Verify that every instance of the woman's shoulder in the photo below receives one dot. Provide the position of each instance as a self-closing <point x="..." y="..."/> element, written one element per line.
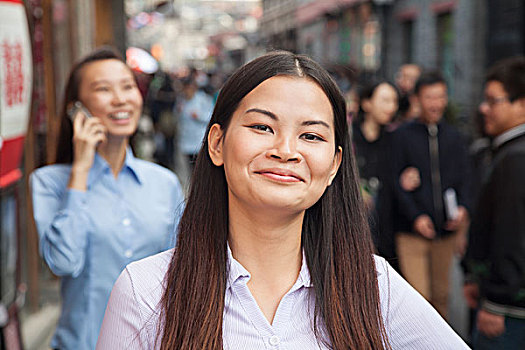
<point x="387" y="277"/>
<point x="140" y="286"/>
<point x="155" y="171"/>
<point x="152" y="268"/>
<point x="133" y="311"/>
<point x="57" y="174"/>
<point x="53" y="170"/>
<point x="410" y="321"/>
<point x="146" y="276"/>
<point x="383" y="270"/>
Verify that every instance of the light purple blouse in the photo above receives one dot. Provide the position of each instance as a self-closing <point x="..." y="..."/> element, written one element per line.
<point x="132" y="314"/>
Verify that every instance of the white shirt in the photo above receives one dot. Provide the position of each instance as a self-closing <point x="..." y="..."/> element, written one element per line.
<point x="131" y="320"/>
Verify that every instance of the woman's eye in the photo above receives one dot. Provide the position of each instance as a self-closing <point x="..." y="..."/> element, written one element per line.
<point x="261" y="127"/>
<point x="102" y="88"/>
<point x="312" y="137"/>
<point x="129" y="86"/>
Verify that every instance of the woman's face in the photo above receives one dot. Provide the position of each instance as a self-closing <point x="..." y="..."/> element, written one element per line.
<point x="279" y="151"/>
<point x="382" y="106"/>
<point x="108" y="90"/>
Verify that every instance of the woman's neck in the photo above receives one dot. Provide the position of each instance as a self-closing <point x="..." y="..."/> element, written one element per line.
<point x="269" y="247"/>
<point x="370" y="129"/>
<point x="114" y="152"/>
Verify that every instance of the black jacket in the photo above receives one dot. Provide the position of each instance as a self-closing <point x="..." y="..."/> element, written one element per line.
<point x="371" y="157"/>
<point x="374" y="170"/>
<point x="496" y="251"/>
<point x="411" y="149"/>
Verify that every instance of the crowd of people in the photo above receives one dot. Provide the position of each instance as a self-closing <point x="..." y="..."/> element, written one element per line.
<point x="294" y="186"/>
<point x="430" y="195"/>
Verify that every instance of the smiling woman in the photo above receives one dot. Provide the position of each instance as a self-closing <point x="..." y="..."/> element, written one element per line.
<point x="100" y="208"/>
<point x="275" y="154"/>
<point x="273" y="247"/>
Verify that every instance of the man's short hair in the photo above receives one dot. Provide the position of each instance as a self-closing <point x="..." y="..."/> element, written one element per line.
<point x="429" y="78"/>
<point x="511" y="73"/>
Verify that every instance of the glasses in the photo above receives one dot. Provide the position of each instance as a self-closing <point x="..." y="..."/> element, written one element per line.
<point x="492" y="101"/>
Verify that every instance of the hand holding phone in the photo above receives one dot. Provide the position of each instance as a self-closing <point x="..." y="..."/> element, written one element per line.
<point x="78" y="107"/>
<point x="88" y="133"/>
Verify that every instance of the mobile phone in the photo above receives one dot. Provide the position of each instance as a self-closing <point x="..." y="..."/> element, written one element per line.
<point x="78" y="107"/>
<point x="451" y="204"/>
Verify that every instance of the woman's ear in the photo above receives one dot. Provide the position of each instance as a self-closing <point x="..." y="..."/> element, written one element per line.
<point x="215" y="138"/>
<point x="336" y="164"/>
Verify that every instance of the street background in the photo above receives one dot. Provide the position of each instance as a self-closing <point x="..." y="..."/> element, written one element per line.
<point x="356" y="40"/>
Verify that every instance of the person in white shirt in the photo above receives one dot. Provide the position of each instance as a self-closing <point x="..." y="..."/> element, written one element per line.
<point x="273" y="248"/>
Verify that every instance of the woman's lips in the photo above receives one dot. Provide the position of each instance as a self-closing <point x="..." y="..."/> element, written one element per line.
<point x="121" y="117"/>
<point x="281" y="175"/>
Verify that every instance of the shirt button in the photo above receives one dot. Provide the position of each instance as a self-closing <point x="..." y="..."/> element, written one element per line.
<point x="128" y="253"/>
<point x="126" y="222"/>
<point x="274" y="340"/>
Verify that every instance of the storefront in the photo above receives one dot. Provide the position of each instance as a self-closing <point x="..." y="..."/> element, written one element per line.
<point x="15" y="102"/>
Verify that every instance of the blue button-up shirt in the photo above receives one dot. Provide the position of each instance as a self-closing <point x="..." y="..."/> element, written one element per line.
<point x="88" y="238"/>
<point x="192" y="131"/>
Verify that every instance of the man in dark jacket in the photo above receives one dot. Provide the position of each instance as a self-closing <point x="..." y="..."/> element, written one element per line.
<point x="427" y="226"/>
<point x="495" y="257"/>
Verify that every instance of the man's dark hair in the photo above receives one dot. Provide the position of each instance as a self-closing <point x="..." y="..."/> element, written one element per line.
<point x="428" y="78"/>
<point x="511" y="73"/>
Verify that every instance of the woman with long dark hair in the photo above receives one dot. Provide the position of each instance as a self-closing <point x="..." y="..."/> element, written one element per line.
<point x="99" y="208"/>
<point x="372" y="143"/>
<point x="273" y="247"/>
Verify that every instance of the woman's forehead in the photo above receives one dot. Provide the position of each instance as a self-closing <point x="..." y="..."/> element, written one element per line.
<point x="107" y="69"/>
<point x="287" y="92"/>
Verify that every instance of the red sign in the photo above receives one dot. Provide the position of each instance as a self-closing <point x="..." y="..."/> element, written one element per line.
<point x="15" y="88"/>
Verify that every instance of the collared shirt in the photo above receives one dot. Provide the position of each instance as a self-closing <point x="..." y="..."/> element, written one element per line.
<point x="132" y="315"/>
<point x="508" y="135"/>
<point x="192" y="130"/>
<point x="88" y="238"/>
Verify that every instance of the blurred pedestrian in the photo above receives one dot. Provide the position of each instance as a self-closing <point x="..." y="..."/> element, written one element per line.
<point x="99" y="208"/>
<point x="406" y="78"/>
<point x="428" y="223"/>
<point x="273" y="248"/>
<point x="161" y="100"/>
<point x="379" y="102"/>
<point x="495" y="257"/>
<point x="371" y="138"/>
<point x="352" y="103"/>
<point x="194" y="110"/>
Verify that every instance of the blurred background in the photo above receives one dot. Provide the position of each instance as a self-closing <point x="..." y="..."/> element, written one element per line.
<point x="355" y="40"/>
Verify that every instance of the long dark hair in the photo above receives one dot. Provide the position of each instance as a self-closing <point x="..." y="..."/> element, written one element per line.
<point x="335" y="236"/>
<point x="65" y="136"/>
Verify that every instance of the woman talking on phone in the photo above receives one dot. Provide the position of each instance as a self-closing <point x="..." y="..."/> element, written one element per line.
<point x="273" y="250"/>
<point x="99" y="208"/>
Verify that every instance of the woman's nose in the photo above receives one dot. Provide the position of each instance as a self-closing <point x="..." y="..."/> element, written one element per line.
<point x="285" y="149"/>
<point x="118" y="97"/>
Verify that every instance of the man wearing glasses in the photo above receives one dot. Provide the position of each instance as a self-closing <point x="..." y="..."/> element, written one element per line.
<point x="496" y="254"/>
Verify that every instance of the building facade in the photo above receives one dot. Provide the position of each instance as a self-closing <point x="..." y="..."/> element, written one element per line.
<point x="374" y="37"/>
<point x="445" y="35"/>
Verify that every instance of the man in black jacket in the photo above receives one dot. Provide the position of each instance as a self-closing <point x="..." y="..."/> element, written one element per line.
<point x="426" y="232"/>
<point x="495" y="257"/>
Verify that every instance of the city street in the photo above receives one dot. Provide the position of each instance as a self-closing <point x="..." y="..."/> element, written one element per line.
<point x="419" y="108"/>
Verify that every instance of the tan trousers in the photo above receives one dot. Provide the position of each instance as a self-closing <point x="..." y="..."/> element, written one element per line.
<point x="425" y="264"/>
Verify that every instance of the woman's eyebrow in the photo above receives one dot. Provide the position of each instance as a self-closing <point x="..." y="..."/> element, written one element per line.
<point x="107" y="81"/>
<point x="262" y="111"/>
<point x="99" y="81"/>
<point x="315" y="122"/>
<point x="274" y="117"/>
